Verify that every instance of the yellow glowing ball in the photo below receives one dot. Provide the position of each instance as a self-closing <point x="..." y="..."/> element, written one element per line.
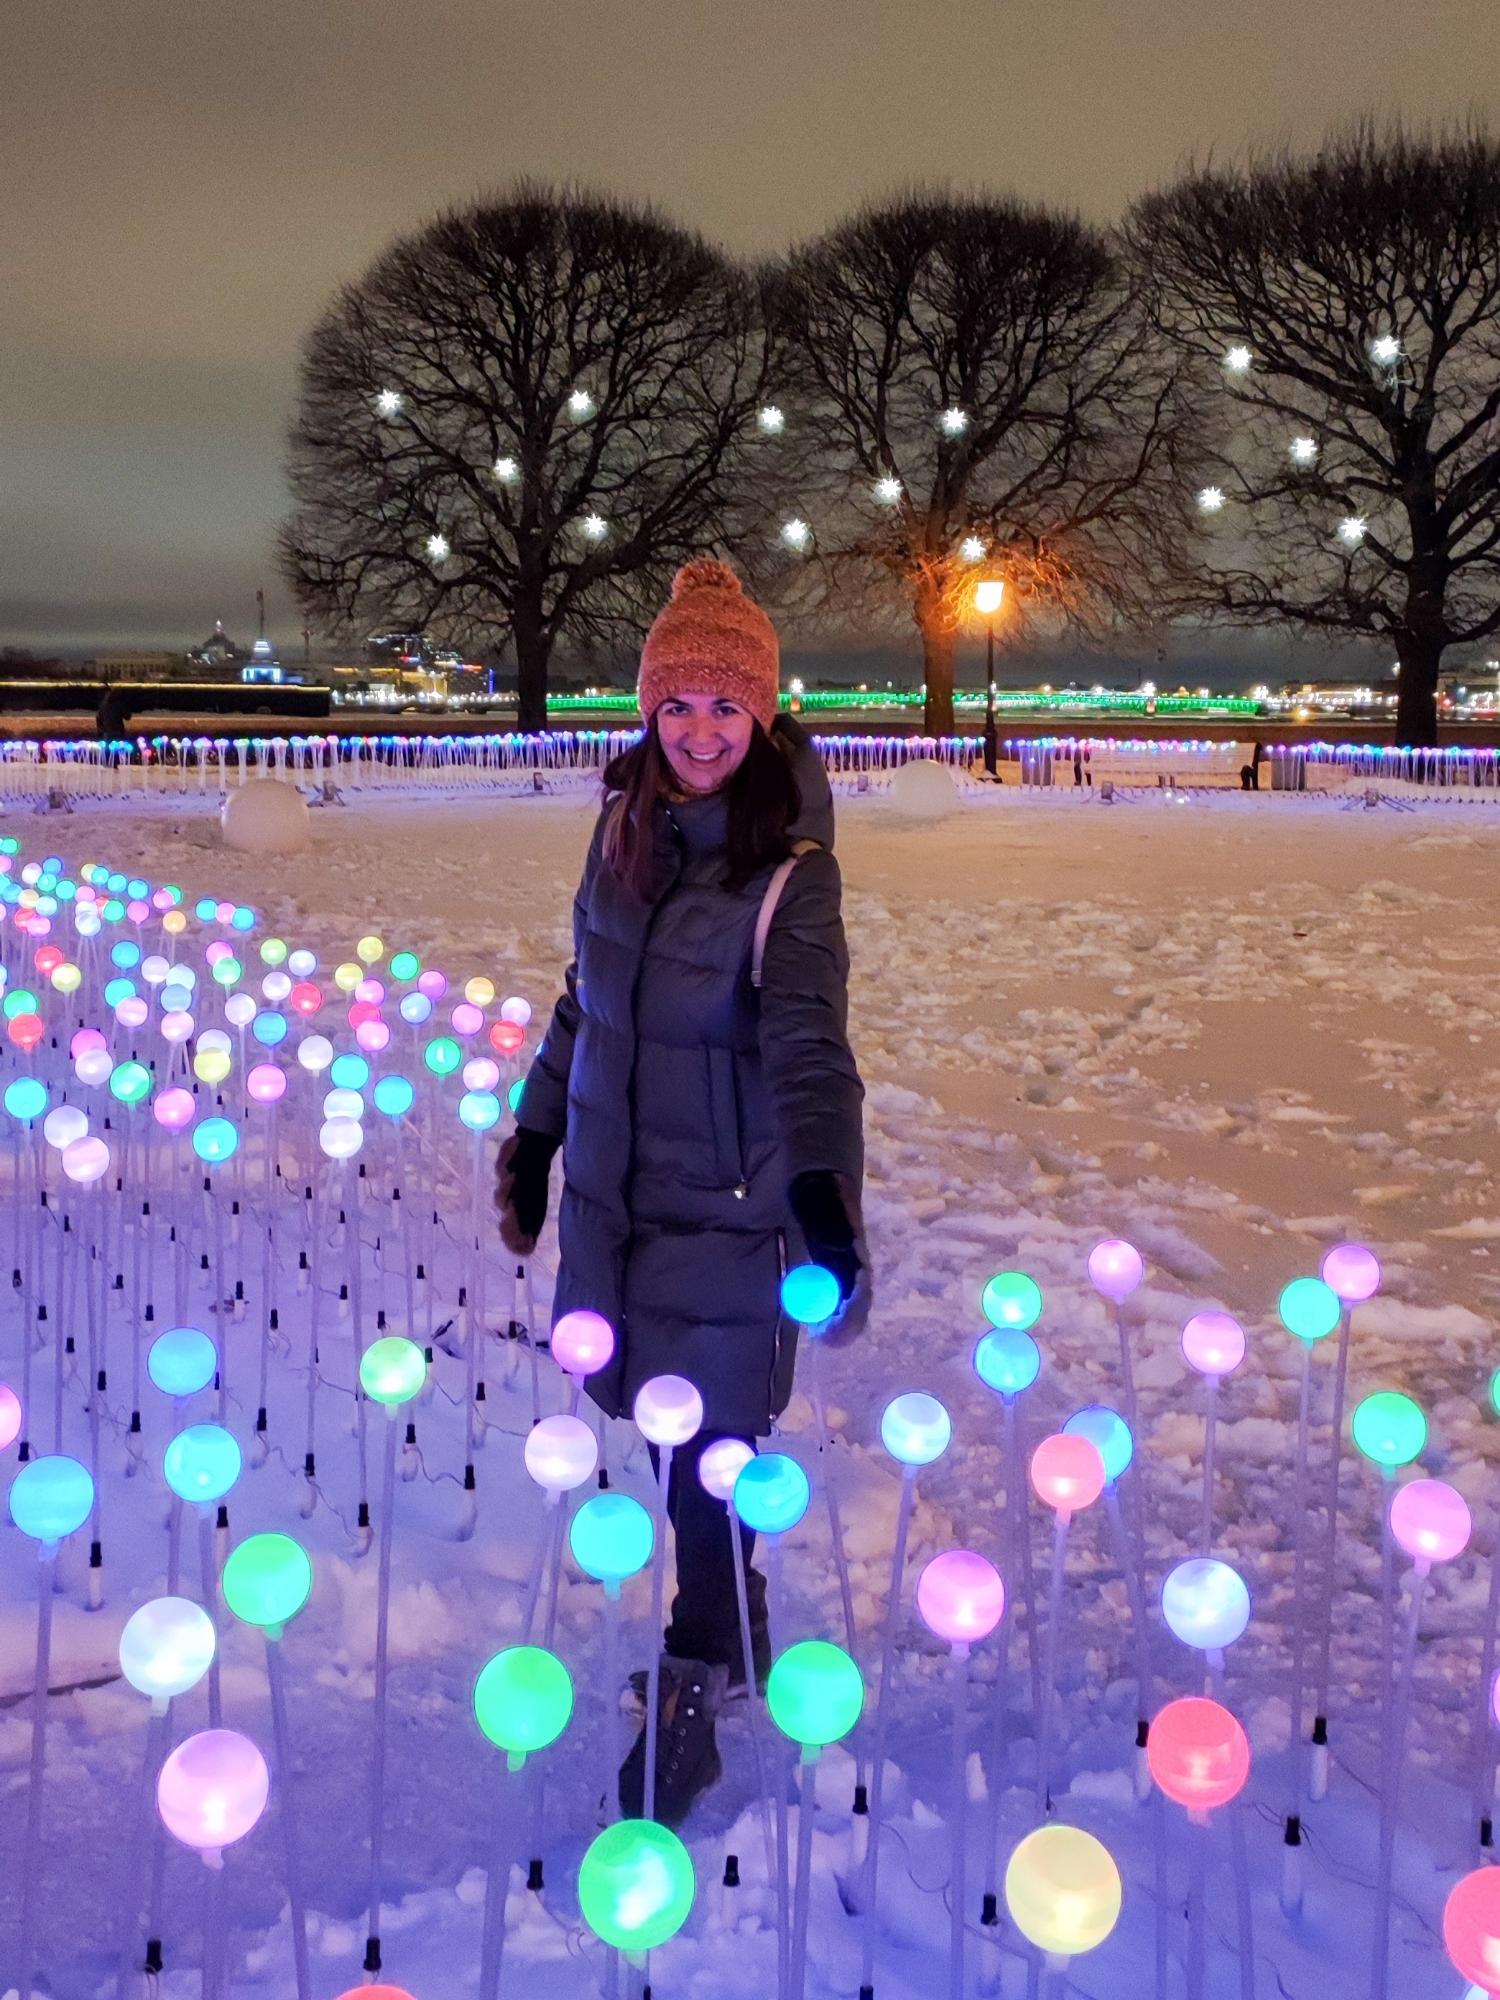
<point x="479" y="991"/>
<point x="211" y="1065"/>
<point x="347" y="976"/>
<point x="370" y="950"/>
<point x="1062" y="1889"/>
<point x="174" y="923"/>
<point x="67" y="978"/>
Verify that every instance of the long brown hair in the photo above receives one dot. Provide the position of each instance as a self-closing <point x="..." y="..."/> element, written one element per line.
<point x="763" y="804"/>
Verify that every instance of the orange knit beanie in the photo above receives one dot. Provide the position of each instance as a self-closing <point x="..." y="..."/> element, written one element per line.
<point x="711" y="639"/>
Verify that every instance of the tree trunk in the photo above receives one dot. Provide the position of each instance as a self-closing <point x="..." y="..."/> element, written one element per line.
<point x="937" y="664"/>
<point x="1419" y="657"/>
<point x="533" y="642"/>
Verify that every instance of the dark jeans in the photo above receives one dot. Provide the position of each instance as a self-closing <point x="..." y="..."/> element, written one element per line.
<point x="705" y="1622"/>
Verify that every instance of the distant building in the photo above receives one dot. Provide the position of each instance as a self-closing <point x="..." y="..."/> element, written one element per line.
<point x="218" y="650"/>
<point x="134" y="666"/>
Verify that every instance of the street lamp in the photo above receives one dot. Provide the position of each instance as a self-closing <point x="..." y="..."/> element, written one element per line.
<point x="988" y="595"/>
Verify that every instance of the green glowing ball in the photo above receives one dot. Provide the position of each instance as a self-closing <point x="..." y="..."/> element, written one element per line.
<point x="635" y="1885"/>
<point x="392" y="1369"/>
<point x="522" y="1699"/>
<point x="442" y="1055"/>
<point x="405" y="965"/>
<point x="815" y="1693"/>
<point x="1495" y="1392"/>
<point x="273" y="951"/>
<point x="1011" y="1299"/>
<point x="1309" y="1308"/>
<point x="227" y="971"/>
<point x="1389" y="1428"/>
<point x="267" y="1580"/>
<point x="19" y="1000"/>
<point x="130" y="1082"/>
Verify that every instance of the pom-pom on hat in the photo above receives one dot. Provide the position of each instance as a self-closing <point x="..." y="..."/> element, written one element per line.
<point x="711" y="639"/>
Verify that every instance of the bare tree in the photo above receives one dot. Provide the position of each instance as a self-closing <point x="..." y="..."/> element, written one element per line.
<point x="1343" y="312"/>
<point x="979" y="396"/>
<point x="516" y="425"/>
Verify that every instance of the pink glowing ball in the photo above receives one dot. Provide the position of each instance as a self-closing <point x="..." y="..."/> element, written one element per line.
<point x="433" y="983"/>
<point x="176" y="1027"/>
<point x="721" y="1465"/>
<point x="360" y="1012"/>
<point x="1352" y="1271"/>
<point x="668" y="1410"/>
<point x="561" y="1452"/>
<point x="1430" y="1520"/>
<point x="10" y="1415"/>
<point x="306" y="998"/>
<point x="86" y="1038"/>
<point x="212" y="1789"/>
<point x="467" y="1019"/>
<point x="160" y="900"/>
<point x="369" y="992"/>
<point x="1198" y="1754"/>
<point x="1067" y="1472"/>
<point x="960" y="1597"/>
<point x="220" y="948"/>
<point x="481" y="1073"/>
<point x="373" y="1037"/>
<point x="224" y="912"/>
<point x="137" y="911"/>
<point x="583" y="1343"/>
<point x="86" y="1160"/>
<point x="266" y="1083"/>
<point x="1471" y="1928"/>
<point x="173" y="1109"/>
<point x="1213" y="1343"/>
<point x="132" y="1012"/>
<point x="1115" y="1268"/>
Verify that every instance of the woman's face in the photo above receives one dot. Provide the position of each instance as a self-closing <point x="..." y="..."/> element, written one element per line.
<point x="704" y="739"/>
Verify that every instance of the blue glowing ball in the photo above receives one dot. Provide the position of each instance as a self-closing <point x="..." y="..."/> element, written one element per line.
<point x="243" y="918"/>
<point x="26" y="1098"/>
<point x="809" y="1294"/>
<point x="176" y="998"/>
<point x="415" y="1008"/>
<point x="50" y="1497"/>
<point x="182" y="1361"/>
<point x="479" y="1109"/>
<point x="1205" y="1603"/>
<point x="116" y="990"/>
<point x="215" y="1140"/>
<point x="202" y="1463"/>
<point x="394" y="1096"/>
<point x="205" y="909"/>
<point x="125" y="955"/>
<point x="1108" y="1431"/>
<point x="269" y="1028"/>
<point x="612" y="1537"/>
<point x="771" y="1493"/>
<point x="1007" y="1360"/>
<point x="349" y="1072"/>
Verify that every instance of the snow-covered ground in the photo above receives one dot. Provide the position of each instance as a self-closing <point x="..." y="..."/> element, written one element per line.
<point x="1234" y="1030"/>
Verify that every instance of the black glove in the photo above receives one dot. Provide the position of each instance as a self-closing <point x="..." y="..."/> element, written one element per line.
<point x="829" y="1220"/>
<point x="521" y="1176"/>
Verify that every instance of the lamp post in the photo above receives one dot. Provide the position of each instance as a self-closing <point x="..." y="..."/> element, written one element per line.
<point x="988" y="594"/>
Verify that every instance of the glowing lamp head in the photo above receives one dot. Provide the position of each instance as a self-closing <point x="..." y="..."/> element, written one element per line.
<point x="583" y="1342"/>
<point x="130" y="1083"/>
<point x="314" y="1054"/>
<point x="50" y="1497"/>
<point x="94" y="1067"/>
<point x="815" y="1693"/>
<point x="341" y="1138"/>
<point x="481" y="1073"/>
<point x="394" y="1096"/>
<point x="173" y="1109"/>
<point x="1205" y="1603"/>
<point x="478" y="1110"/>
<point x="1213" y="1343"/>
<point x="1471" y="1928"/>
<point x="1352" y="1271"/>
<point x="915" y="1428"/>
<point x="1115" y="1268"/>
<point x="182" y="1361"/>
<point x="62" y="1126"/>
<point x="86" y="1160"/>
<point x="215" y="1141"/>
<point x="11" y="1414"/>
<point x="212" y="1790"/>
<point x="989" y="594"/>
<point x="1108" y="1432"/>
<point x="202" y="1463"/>
<point x="267" y="1580"/>
<point x="514" y="1008"/>
<point x="635" y="1885"/>
<point x="392" y="1369"/>
<point x="612" y="1537"/>
<point x="1011" y="1300"/>
<point x="1062" y="1890"/>
<point x="1389" y="1429"/>
<point x="771" y="1493"/>
<point x="442" y="1055"/>
<point x="467" y="1019"/>
<point x="960" y="1597"/>
<point x="26" y="1098"/>
<point x="166" y="1647"/>
<point x="721" y="1465"/>
<point x="1431" y="1521"/>
<point x="810" y="1295"/>
<point x="506" y="1037"/>
<point x="668" y="1410"/>
<point x="1007" y="1360"/>
<point x="522" y="1700"/>
<point x="1198" y="1754"/>
<point x="561" y="1453"/>
<point x="266" y="1083"/>
<point x="1309" y="1309"/>
<point x="1067" y="1472"/>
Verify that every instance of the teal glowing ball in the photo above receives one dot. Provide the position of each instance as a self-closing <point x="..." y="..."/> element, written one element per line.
<point x="516" y="1092"/>
<point x="394" y="1096"/>
<point x="612" y="1537"/>
<point x="1108" y="1432"/>
<point x="479" y="1110"/>
<point x="182" y="1361"/>
<point x="1007" y="1360"/>
<point x="815" y="1693"/>
<point x="771" y="1493"/>
<point x="214" y="1141"/>
<point x="50" y="1497"/>
<point x="1309" y="1309"/>
<point x="26" y="1098"/>
<point x="809" y="1295"/>
<point x="202" y="1463"/>
<point x="349" y="1072"/>
<point x="1011" y="1299"/>
<point x="130" y="1082"/>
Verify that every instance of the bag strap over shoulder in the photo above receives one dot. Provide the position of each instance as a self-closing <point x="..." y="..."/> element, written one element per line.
<point x="768" y="904"/>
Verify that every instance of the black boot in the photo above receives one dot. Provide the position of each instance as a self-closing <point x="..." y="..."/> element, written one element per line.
<point x="633" y="1700"/>
<point x="687" y="1754"/>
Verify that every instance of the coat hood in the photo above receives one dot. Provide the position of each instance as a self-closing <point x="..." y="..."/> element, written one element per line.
<point x="815" y="819"/>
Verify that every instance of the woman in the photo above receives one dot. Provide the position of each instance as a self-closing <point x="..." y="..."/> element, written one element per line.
<point x="710" y="1129"/>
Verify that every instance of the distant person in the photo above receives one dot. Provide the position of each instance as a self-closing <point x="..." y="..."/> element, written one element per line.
<point x="1250" y="773"/>
<point x="711" y="1128"/>
<point x="109" y="716"/>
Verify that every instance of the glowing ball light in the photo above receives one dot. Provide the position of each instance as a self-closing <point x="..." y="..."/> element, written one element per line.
<point x="1011" y="1299"/>
<point x="347" y="976"/>
<point x="1198" y="1754"/>
<point x="1115" y="1268"/>
<point x="302" y="964"/>
<point x="182" y="1361"/>
<point x="10" y="1416"/>
<point x="212" y="1066"/>
<point x="166" y="1647"/>
<point x="1007" y="1360"/>
<point x="266" y="1084"/>
<point x="1309" y="1309"/>
<point x="771" y="1494"/>
<point x="341" y="1138"/>
<point x="1431" y="1521"/>
<point x="515" y="1094"/>
<point x="1471" y="1928"/>
<point x="1067" y="1473"/>
<point x="85" y="1161"/>
<point x="393" y="1369"/>
<point x="215" y="1141"/>
<point x="1205" y="1603"/>
<point x="810" y="1295"/>
<point x="668" y="1410"/>
<point x="405" y="965"/>
<point x="94" y="1067"/>
<point x="349" y="1072"/>
<point x="1352" y="1271"/>
<point x="26" y="1098"/>
<point x="1108" y="1432"/>
<point x="1389" y="1429"/>
<point x="341" y="1103"/>
<point x="269" y="1028"/>
<point x="201" y="1463"/>
<point x="466" y="1020"/>
<point x="479" y="1110"/>
<point x="481" y="1073"/>
<point x="212" y="1790"/>
<point x="370" y="950"/>
<point x="1213" y="1343"/>
<point x="130" y="1083"/>
<point x="267" y="1580"/>
<point x="522" y="1700"/>
<point x="132" y="1013"/>
<point x="1062" y="1890"/>
<point x="173" y="1109"/>
<point x="915" y="1429"/>
<point x="373" y="1037"/>
<point x="239" y="1010"/>
<point x="394" y="1096"/>
<point x="960" y="1597"/>
<point x="815" y="1693"/>
<point x="442" y="1055"/>
<point x="315" y="1053"/>
<point x="176" y="1027"/>
<point x="721" y="1465"/>
<point x="415" y="1008"/>
<point x="305" y="998"/>
<point x="26" y="1031"/>
<point x="516" y="1009"/>
<point x="50" y="1497"/>
<point x="561" y="1453"/>
<point x="612" y="1538"/>
<point x="506" y="1038"/>
<point x="583" y="1342"/>
<point x="635" y="1885"/>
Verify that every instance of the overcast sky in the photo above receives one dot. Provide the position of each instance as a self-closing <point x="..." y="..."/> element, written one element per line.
<point x="185" y="181"/>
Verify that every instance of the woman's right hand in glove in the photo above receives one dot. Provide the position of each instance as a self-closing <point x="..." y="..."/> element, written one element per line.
<point x="522" y="1171"/>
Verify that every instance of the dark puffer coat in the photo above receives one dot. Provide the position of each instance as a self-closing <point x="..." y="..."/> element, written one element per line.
<point x="686" y="1100"/>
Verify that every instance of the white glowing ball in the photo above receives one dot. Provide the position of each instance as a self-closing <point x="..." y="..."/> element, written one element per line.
<point x="561" y="1453"/>
<point x="154" y="969"/>
<point x="302" y="964"/>
<point x="166" y="1647"/>
<point x="341" y="1138"/>
<point x="239" y="1010"/>
<point x="276" y="986"/>
<point x="721" y="1465"/>
<point x="923" y="789"/>
<point x="94" y="1066"/>
<point x="132" y="1012"/>
<point x="341" y="1103"/>
<point x="315" y="1053"/>
<point x="215" y="1038"/>
<point x="176" y="1027"/>
<point x="516" y="1009"/>
<point x="481" y="1073"/>
<point x="266" y="816"/>
<point x="668" y="1410"/>
<point x="61" y="1127"/>
<point x="86" y="1160"/>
